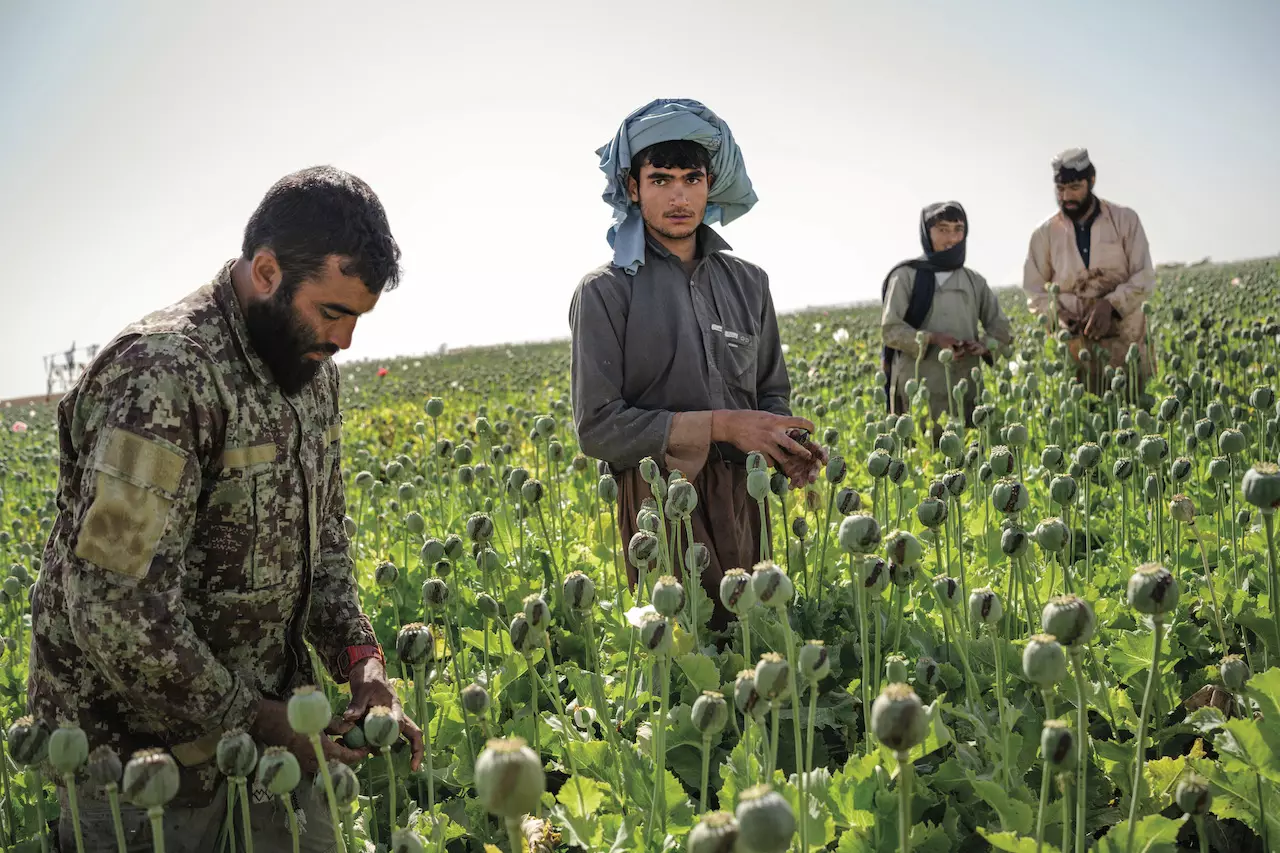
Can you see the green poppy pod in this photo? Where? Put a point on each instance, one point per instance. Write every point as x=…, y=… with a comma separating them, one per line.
x=859, y=533
x=1014, y=542
x=151, y=778
x=1057, y=746
x=1001, y=461
x=898, y=718
x=878, y=463
x=1070, y=619
x=1088, y=456
x=985, y=607
x=1261, y=487
x=1235, y=673
x=1180, y=469
x=1232, y=442
x=1043, y=661
x=1009, y=496
x=771, y=585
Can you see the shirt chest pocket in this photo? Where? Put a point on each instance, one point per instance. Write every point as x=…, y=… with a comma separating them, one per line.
x=235, y=529
x=739, y=357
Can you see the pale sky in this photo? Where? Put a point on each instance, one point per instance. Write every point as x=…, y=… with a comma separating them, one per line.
x=137, y=137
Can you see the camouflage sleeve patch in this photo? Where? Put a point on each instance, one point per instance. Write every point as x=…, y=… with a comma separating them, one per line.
x=135, y=483
x=123, y=526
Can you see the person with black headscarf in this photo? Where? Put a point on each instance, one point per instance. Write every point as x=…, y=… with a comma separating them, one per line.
x=935, y=303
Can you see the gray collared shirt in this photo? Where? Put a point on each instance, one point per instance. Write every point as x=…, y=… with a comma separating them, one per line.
x=661, y=342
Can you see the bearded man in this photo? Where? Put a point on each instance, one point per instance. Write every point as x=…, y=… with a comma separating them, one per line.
x=1096, y=254
x=199, y=543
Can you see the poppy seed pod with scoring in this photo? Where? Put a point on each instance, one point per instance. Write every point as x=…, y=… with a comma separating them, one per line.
x=1016, y=435
x=579, y=591
x=1057, y=745
x=475, y=700
x=479, y=527
x=453, y=547
x=1235, y=673
x=432, y=551
x=309, y=711
x=509, y=778
x=1051, y=535
x=950, y=445
x=859, y=533
x=697, y=557
x=104, y=767
x=1169, y=409
x=956, y=482
x=897, y=472
x=1123, y=469
x=381, y=728
x=488, y=606
x=1008, y=496
x=1001, y=461
x=746, y=698
x=1070, y=619
x=887, y=442
x=903, y=548
x=773, y=675
x=771, y=585
x=1044, y=663
x=386, y=574
x=537, y=612
x=847, y=501
x=531, y=492
x=28, y=741
x=737, y=593
x=1153, y=590
x=898, y=718
x=1088, y=455
x=710, y=713
x=779, y=484
x=415, y=644
x=151, y=778
x=800, y=526
x=642, y=550
x=406, y=841
x=836, y=469
x=947, y=589
x=1261, y=487
x=434, y=407
x=435, y=592
x=1053, y=459
x=236, y=754
x=985, y=607
x=715, y=832
x=873, y=574
x=755, y=461
x=813, y=661
x=668, y=596
x=902, y=576
x=655, y=634
x=932, y=512
x=525, y=639
x=1204, y=429
x=927, y=672
x=1152, y=450
x=1180, y=470
x=682, y=499
x=903, y=427
x=1014, y=542
x=1151, y=488
x=878, y=464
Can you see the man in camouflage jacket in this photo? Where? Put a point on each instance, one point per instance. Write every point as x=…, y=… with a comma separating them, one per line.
x=199, y=543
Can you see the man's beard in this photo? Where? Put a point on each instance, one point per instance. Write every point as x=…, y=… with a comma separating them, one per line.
x=1081, y=210
x=282, y=341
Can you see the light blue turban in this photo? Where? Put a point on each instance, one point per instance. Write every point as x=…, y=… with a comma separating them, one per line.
x=664, y=120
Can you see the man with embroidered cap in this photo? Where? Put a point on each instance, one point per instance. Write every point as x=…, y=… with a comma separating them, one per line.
x=199, y=543
x=676, y=354
x=1089, y=272
x=934, y=304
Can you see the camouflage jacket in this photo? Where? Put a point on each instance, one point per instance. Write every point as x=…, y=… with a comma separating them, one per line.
x=199, y=541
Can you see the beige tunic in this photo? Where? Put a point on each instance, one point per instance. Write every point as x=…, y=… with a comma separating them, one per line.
x=962, y=304
x=1120, y=271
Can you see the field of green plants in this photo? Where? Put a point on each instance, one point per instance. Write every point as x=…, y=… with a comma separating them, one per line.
x=1053, y=632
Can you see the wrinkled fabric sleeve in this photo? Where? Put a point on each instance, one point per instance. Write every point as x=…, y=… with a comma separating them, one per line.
x=608, y=428
x=148, y=424
x=893, y=326
x=994, y=323
x=773, y=386
x=1137, y=289
x=1037, y=272
x=336, y=620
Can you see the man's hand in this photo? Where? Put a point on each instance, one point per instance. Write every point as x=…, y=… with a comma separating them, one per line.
x=369, y=689
x=1099, y=320
x=272, y=728
x=974, y=348
x=752, y=430
x=801, y=473
x=944, y=341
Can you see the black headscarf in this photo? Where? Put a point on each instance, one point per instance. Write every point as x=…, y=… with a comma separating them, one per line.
x=926, y=281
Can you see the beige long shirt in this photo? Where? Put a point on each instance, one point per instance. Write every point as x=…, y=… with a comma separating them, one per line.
x=1119, y=271
x=962, y=306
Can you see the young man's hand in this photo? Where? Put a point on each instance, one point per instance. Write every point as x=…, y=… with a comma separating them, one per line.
x=751, y=430
x=271, y=726
x=944, y=341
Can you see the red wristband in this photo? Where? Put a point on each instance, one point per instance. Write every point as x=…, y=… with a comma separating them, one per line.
x=355, y=654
